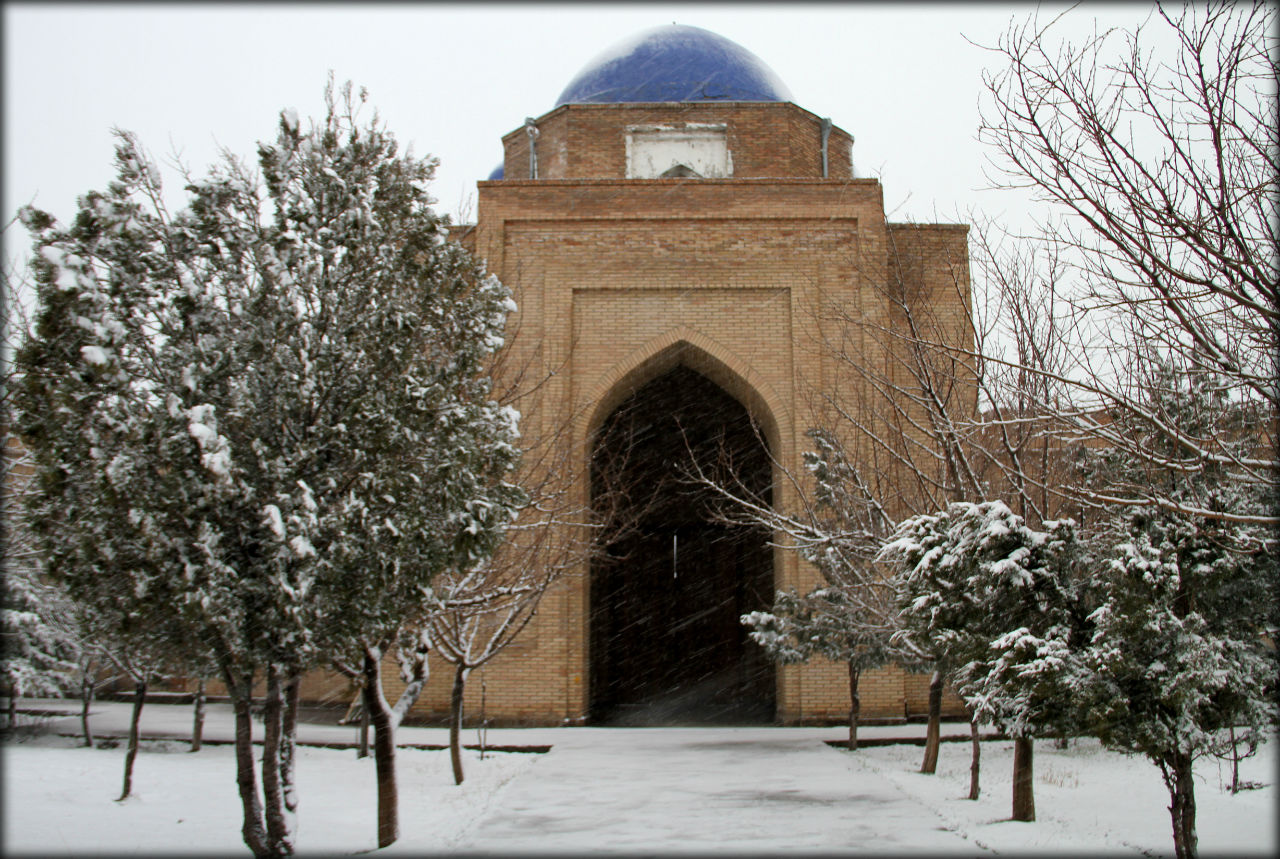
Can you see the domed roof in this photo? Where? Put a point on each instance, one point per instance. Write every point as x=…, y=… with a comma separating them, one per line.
x=675, y=63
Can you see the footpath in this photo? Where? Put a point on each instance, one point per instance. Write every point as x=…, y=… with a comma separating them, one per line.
x=728, y=790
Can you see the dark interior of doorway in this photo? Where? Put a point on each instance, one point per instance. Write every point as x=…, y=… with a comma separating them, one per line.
x=670, y=584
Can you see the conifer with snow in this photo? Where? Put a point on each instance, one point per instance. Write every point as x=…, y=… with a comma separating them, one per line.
x=824, y=622
x=1179, y=665
x=849, y=619
x=262, y=420
x=998, y=602
x=39, y=652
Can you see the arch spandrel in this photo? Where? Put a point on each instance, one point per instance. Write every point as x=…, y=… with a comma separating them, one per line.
x=685, y=346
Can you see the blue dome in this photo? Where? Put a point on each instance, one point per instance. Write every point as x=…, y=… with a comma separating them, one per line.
x=497, y=172
x=675, y=63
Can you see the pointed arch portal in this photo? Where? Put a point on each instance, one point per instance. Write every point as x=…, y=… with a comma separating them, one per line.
x=670, y=585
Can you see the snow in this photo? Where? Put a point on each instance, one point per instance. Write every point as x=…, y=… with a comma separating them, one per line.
x=1088, y=800
x=68, y=805
x=302, y=547
x=271, y=518
x=95, y=355
x=723, y=790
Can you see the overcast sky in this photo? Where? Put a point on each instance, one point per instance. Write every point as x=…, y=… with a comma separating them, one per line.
x=450, y=80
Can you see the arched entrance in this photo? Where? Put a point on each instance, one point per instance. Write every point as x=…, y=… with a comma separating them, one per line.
x=670, y=583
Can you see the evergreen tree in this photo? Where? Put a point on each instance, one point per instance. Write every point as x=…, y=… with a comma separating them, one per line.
x=850, y=618
x=999, y=602
x=1179, y=664
x=824, y=622
x=261, y=422
x=39, y=652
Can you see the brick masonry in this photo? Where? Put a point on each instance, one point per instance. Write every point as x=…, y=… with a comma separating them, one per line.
x=747, y=280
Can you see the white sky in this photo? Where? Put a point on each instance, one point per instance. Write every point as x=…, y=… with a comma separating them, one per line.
x=452, y=79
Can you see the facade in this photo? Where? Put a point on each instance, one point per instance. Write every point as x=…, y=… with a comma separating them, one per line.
x=689, y=249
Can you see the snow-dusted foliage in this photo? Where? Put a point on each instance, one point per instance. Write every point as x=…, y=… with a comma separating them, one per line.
x=849, y=619
x=1182, y=646
x=996, y=603
x=827, y=622
x=822, y=622
x=996, y=600
x=261, y=423
x=38, y=648
x=39, y=652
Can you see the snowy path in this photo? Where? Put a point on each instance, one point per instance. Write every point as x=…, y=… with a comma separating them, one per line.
x=652, y=791
x=766, y=790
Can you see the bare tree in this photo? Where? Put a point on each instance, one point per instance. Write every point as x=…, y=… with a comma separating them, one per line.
x=1164, y=164
x=937, y=402
x=472, y=616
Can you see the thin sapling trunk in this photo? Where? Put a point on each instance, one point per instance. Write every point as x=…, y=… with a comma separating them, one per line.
x=272, y=790
x=933, y=735
x=252, y=828
x=139, y=696
x=197, y=723
x=384, y=748
x=975, y=762
x=1177, y=772
x=455, y=720
x=362, y=747
x=86, y=699
x=288, y=743
x=855, y=706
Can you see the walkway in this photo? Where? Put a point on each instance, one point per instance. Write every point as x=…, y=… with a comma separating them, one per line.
x=734, y=790
x=651, y=790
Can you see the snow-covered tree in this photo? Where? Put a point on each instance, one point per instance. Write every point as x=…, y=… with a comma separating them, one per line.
x=849, y=619
x=39, y=653
x=825, y=622
x=38, y=647
x=1180, y=664
x=997, y=602
x=265, y=414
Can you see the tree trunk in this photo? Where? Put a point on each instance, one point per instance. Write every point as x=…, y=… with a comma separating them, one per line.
x=455, y=720
x=1024, y=800
x=272, y=791
x=1235, y=761
x=86, y=698
x=933, y=735
x=384, y=749
x=197, y=723
x=855, y=706
x=1178, y=778
x=139, y=696
x=252, y=829
x=362, y=748
x=13, y=708
x=975, y=766
x=417, y=673
x=288, y=743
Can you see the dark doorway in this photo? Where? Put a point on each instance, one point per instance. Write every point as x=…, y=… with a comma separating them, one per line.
x=670, y=583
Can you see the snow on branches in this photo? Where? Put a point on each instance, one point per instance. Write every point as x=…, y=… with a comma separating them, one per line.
x=262, y=422
x=994, y=600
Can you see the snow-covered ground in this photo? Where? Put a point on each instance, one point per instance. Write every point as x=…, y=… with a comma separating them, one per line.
x=1087, y=799
x=60, y=798
x=666, y=790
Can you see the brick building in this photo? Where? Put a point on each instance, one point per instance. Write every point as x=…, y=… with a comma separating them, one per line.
x=686, y=244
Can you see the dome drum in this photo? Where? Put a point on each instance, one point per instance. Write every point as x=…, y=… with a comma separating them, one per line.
x=761, y=139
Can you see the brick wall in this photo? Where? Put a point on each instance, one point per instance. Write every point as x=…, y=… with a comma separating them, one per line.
x=747, y=280
x=766, y=139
